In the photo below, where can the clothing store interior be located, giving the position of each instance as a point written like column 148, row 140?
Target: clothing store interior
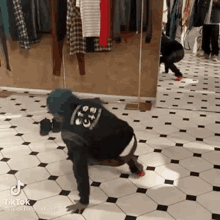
column 154, row 64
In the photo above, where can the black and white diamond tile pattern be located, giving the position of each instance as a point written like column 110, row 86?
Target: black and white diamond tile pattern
column 179, row 149
column 199, row 90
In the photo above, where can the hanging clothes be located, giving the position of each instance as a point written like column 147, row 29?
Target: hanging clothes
column 105, row 8
column 4, row 30
column 165, row 11
column 44, row 16
column 74, row 32
column 90, row 16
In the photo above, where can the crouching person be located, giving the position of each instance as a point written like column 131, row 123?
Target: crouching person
column 93, row 136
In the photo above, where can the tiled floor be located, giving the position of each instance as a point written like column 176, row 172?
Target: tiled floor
column 179, row 149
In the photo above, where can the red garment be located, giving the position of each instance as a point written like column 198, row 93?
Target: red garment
column 105, row 8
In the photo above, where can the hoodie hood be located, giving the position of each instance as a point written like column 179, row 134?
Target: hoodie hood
column 59, row 101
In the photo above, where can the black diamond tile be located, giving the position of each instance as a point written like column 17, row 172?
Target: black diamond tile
column 37, row 101
column 31, row 202
column 216, row 188
column 2, row 113
column 23, row 110
column 197, row 155
column 141, row 190
column 194, row 174
column 36, row 123
column 43, row 164
column 157, row 150
column 26, row 92
column 163, row 135
column 142, row 141
column 217, row 149
column 175, row 161
column 1, row 148
column 185, row 119
column 31, row 96
column 64, row 193
column 114, row 108
column 125, row 114
column 60, row 148
column 173, row 113
column 216, row 166
column 18, row 104
column 154, row 116
column 189, row 197
column 51, row 138
column 168, row 123
column 34, row 153
column 162, row 208
column 201, row 126
column 43, row 106
column 96, row 184
column 179, row 145
column 12, row 172
column 175, row 105
column 216, row 216
column 181, row 130
column 150, row 168
column 202, row 115
column 7, row 119
column 19, row 135
column 26, row 143
column 112, row 200
column 169, row 182
column 52, row 177
column 217, row 122
column 5, row 159
column 136, row 120
column 217, row 134
column 12, row 99
column 128, row 217
column 29, row 116
column 122, row 100
column 13, row 127
column 124, row 175
column 149, row 128
column 199, row 139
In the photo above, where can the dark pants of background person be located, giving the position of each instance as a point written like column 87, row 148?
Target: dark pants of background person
column 170, row 59
column 210, row 36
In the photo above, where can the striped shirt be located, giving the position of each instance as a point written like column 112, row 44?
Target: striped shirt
column 90, row 15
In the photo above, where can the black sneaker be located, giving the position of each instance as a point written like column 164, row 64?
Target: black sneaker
column 56, row 126
column 45, row 127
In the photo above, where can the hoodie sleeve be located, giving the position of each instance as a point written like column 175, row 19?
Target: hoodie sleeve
column 77, row 151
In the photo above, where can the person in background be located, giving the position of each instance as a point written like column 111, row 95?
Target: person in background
column 172, row 52
column 210, row 33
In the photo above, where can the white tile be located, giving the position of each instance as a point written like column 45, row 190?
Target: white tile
column 196, row 164
column 53, row 207
column 154, row 159
column 70, row 217
column 172, row 171
column 42, row 190
column 150, row 179
column 118, row 187
column 139, row 202
column 213, row 157
column 7, row 181
column 214, row 141
column 11, row 140
column 107, row 211
column 16, row 151
column 165, row 129
column 189, row 210
column 166, row 194
column 161, row 143
column 210, row 201
column 97, row 196
column 61, row 167
column 156, row 215
column 147, row 134
column 200, row 133
column 193, row 185
column 143, row 148
column 52, row 156
column 45, row 145
column 211, row 176
column 33, row 137
column 177, row 153
column 67, row 182
column 32, row 175
column 4, row 168
column 181, row 137
column 103, row 173
column 23, row 162
column 198, row 147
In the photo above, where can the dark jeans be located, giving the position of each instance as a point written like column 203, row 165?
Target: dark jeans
column 169, row 61
column 210, row 35
column 130, row 159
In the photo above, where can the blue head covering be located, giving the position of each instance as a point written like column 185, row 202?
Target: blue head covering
column 60, row 100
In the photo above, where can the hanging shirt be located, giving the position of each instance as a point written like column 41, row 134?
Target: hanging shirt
column 90, row 15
